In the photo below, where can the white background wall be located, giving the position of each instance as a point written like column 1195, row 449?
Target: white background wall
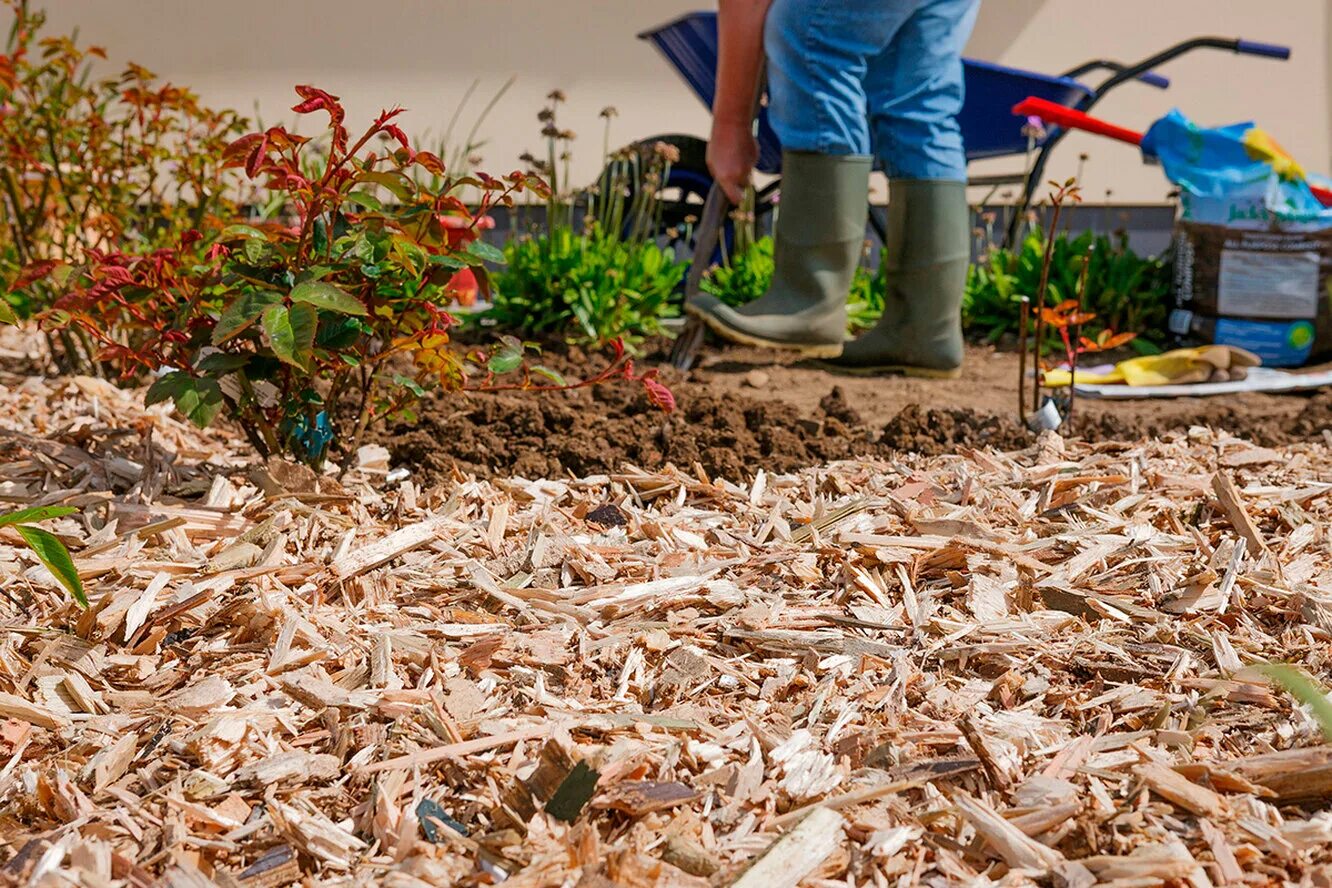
column 423, row 54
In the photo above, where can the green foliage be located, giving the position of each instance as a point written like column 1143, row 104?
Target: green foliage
column 612, row 281
column 88, row 165
column 47, row 546
column 865, row 302
column 1299, row 685
column 747, row 272
column 595, row 287
column 744, row 274
column 1125, row 291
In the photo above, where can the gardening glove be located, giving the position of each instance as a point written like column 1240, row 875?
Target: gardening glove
column 1184, row 366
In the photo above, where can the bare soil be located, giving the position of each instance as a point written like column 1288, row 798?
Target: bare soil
column 745, row 409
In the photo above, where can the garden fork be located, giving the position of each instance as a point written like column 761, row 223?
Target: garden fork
column 706, row 237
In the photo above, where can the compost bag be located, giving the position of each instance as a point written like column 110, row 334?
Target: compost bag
column 1253, row 245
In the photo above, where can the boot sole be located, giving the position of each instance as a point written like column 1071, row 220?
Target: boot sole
column 805, row 351
column 894, row 370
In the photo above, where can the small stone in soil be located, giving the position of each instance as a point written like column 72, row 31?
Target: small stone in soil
column 757, row 379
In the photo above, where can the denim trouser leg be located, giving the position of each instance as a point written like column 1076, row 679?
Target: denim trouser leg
column 851, row 76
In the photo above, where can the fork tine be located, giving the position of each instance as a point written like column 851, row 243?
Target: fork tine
column 687, row 345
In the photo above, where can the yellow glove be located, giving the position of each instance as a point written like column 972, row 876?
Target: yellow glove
column 1183, row 366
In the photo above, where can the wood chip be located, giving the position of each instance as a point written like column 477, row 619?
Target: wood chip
column 796, row 854
column 1232, row 503
column 1176, row 788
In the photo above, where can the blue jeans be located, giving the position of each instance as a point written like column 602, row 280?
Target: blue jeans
column 871, row 76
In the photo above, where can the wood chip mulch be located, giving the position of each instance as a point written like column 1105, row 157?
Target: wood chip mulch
column 980, row 668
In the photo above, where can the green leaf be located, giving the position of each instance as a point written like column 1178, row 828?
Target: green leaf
column 35, row 514
column 398, row 183
column 340, row 332
column 316, row 272
column 7, row 315
column 364, row 248
column 1303, row 688
column 291, row 332
column 447, row 261
column 365, row 199
column 410, row 384
column 235, row 232
column 220, row 364
column 550, row 374
column 199, row 399
column 1144, row 347
column 507, row 359
column 319, row 236
column 256, row 251
column 243, row 311
column 485, row 252
column 52, row 553
column 328, row 297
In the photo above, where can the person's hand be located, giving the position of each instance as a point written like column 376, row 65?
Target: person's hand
column 732, row 154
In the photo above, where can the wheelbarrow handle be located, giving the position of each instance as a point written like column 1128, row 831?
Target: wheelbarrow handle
column 1151, row 78
column 1270, row 50
column 1069, row 118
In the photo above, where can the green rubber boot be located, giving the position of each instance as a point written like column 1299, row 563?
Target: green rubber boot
column 926, row 253
column 820, row 233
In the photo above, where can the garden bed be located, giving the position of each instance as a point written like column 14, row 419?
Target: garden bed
column 745, row 409
column 1032, row 667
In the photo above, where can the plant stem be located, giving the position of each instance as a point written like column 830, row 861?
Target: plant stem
column 1024, row 310
column 1077, row 333
column 1057, row 201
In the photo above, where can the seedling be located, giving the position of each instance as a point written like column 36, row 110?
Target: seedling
column 47, row 546
column 1067, row 192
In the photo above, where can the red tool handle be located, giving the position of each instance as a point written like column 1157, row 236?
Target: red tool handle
column 1068, row 118
column 1061, row 115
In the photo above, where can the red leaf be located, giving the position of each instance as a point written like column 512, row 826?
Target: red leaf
column 33, row 271
column 660, row 396
column 309, row 105
column 256, row 159
column 430, row 162
column 396, row 132
column 1119, row 339
column 315, row 100
column 238, row 152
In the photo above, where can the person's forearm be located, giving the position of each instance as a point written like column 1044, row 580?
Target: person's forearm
column 739, row 59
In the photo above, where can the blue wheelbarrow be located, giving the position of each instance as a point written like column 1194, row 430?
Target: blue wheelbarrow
column 989, row 128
